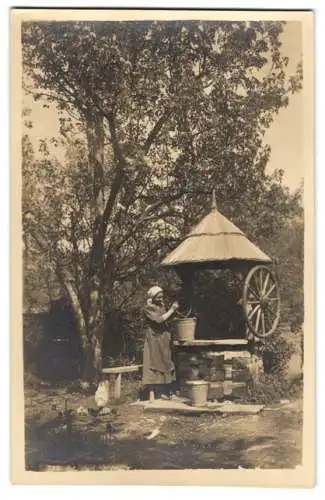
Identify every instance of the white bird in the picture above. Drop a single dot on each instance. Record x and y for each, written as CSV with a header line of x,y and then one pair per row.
x,y
102,394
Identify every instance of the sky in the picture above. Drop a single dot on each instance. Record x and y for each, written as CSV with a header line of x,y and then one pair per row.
x,y
285,135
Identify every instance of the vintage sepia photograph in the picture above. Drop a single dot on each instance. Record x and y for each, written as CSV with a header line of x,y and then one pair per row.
x,y
162,225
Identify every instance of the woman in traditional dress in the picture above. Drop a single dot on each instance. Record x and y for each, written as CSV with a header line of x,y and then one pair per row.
x,y
158,366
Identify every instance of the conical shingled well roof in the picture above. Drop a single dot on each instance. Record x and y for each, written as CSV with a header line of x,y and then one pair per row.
x,y
215,240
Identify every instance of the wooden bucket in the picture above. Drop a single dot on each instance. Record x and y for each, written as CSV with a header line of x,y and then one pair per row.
x,y
185,329
198,392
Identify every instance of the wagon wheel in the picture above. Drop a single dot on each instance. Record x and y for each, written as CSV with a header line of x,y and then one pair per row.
x,y
261,301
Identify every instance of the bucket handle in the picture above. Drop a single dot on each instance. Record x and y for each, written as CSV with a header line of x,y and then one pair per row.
x,y
184,314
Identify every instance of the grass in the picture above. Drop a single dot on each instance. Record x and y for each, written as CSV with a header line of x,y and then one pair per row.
x,y
53,442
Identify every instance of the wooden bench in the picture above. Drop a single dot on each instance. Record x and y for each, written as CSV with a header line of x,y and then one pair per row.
x,y
118,371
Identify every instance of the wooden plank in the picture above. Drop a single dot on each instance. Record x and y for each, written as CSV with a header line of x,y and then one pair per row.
x,y
122,369
227,383
212,342
171,406
232,408
228,354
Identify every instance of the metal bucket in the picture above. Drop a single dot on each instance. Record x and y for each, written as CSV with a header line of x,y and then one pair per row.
x,y
198,392
185,329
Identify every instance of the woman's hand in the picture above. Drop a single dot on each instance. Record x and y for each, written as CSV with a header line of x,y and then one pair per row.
x,y
175,306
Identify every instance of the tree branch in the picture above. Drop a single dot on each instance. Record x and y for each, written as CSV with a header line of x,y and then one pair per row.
x,y
39,239
39,94
119,174
165,201
145,218
156,130
130,270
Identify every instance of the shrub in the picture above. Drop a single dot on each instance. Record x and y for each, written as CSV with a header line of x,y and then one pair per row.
x,y
276,353
271,388
274,384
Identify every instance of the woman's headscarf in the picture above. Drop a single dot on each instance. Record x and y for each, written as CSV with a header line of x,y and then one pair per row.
x,y
153,291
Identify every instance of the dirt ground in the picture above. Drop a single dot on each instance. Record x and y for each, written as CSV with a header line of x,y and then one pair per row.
x,y
271,439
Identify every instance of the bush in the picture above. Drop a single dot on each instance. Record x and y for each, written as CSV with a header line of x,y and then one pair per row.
x,y
271,388
276,353
274,384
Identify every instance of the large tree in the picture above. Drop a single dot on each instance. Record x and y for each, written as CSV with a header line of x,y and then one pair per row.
x,y
164,111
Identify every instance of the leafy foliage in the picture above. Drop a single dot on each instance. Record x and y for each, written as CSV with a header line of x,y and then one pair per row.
x,y
271,388
286,246
152,115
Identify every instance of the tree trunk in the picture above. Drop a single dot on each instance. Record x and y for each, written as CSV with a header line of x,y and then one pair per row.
x,y
90,314
82,328
95,140
93,359
93,306
90,324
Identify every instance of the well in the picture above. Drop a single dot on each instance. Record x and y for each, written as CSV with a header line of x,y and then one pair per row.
x,y
222,350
